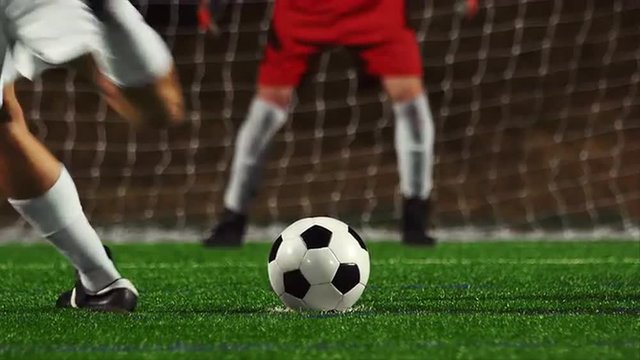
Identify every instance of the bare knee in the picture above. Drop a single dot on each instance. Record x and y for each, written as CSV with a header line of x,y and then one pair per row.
x,y
403,89
163,106
27,168
279,96
156,105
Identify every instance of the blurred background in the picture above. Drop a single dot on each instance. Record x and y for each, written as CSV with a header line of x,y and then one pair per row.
x,y
537,107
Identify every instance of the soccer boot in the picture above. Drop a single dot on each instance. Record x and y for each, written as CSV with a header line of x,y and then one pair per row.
x,y
229,231
415,213
119,296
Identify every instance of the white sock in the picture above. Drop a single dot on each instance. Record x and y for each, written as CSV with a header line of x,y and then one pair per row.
x,y
414,139
262,122
58,216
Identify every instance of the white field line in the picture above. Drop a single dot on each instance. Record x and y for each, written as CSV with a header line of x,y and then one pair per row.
x,y
389,262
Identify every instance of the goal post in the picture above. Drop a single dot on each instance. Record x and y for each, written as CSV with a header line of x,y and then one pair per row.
x,y
536,103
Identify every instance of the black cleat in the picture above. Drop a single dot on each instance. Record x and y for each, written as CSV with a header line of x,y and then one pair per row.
x,y
415,213
229,231
119,296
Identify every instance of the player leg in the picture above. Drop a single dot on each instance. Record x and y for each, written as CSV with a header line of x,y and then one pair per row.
x,y
37,184
41,190
267,114
414,141
157,103
138,79
138,76
280,71
399,64
114,47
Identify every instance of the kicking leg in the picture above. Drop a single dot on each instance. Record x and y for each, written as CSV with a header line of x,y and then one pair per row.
x,y
41,190
414,141
137,76
109,43
266,116
133,68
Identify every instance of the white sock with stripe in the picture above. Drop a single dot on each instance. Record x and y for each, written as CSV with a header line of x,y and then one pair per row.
x,y
261,124
414,139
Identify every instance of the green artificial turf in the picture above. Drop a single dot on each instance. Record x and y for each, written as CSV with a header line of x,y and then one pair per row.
x,y
577,300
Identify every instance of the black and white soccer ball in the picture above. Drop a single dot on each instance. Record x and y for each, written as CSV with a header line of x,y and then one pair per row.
x,y
319,263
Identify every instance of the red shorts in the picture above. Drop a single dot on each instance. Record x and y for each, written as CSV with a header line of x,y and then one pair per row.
x,y
377,29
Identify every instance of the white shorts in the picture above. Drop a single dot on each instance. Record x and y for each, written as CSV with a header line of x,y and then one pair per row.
x,y
38,34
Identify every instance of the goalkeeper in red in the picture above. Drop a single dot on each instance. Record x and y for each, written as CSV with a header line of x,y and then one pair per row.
x,y
109,43
378,30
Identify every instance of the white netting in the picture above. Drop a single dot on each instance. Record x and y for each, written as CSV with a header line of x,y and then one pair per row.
x,y
537,106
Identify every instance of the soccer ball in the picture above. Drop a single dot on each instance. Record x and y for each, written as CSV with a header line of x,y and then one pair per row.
x,y
319,263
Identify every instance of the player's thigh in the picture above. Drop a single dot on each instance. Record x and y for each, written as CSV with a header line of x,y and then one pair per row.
x,y
280,72
277,95
285,59
403,88
398,62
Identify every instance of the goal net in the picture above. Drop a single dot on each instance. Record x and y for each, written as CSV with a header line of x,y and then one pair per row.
x,y
537,107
